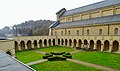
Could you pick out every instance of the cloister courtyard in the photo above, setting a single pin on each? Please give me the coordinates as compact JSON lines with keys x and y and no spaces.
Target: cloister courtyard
{"x":81,"y":60}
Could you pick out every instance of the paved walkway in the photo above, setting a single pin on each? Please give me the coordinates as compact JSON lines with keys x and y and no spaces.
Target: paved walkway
{"x":36,"y":62}
{"x":40,"y":52}
{"x":92,"y":65}
{"x":74,"y":51}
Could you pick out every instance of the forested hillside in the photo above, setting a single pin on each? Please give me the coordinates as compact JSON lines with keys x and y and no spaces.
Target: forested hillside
{"x":29,"y":28}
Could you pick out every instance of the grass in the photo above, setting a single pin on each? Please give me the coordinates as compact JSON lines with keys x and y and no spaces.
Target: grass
{"x":101,"y":58}
{"x":61,"y":66}
{"x":28,"y":56}
{"x":56,"y":49}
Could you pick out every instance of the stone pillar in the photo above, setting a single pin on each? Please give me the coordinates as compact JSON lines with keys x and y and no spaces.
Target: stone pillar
{"x":56,"y":41}
{"x":48,"y":44}
{"x":26,"y":47}
{"x":77,"y":45}
{"x":95,"y":46}
{"x":119,"y":49}
{"x":102,"y":47}
{"x":88,"y":45}
{"x":51,"y":43}
{"x":32,"y":45}
{"x":68,"y":44}
{"x":43,"y":44}
{"x":72,"y":45}
{"x":19,"y":48}
{"x":82,"y":45}
{"x":110,"y":48}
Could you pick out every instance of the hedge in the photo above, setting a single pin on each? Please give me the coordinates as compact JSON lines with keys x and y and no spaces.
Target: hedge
{"x":56,"y":58}
{"x":57,"y":53}
{"x":46,"y":56}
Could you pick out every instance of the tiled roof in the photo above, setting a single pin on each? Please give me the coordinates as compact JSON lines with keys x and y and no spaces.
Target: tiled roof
{"x":93,"y":6}
{"x":7,"y":63}
{"x":100,"y":20}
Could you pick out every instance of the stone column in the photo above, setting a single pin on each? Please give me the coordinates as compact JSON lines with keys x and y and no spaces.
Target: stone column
{"x":68,"y":44}
{"x":95,"y":46}
{"x":119,"y":49}
{"x":19,"y":48}
{"x":48,"y":44}
{"x":72,"y":45}
{"x":82,"y":45}
{"x":26,"y":46}
{"x":110,"y":48}
{"x":77,"y":45}
{"x":102,"y":47}
{"x":88,"y":45}
{"x":32,"y":45}
{"x":43,"y":45}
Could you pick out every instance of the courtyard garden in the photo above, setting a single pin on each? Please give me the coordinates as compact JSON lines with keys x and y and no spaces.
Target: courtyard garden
{"x":100,"y":58}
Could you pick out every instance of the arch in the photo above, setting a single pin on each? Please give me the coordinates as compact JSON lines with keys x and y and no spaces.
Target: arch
{"x":49,"y":42}
{"x":9,"y":53}
{"x":29,"y":44}
{"x":62,"y":42}
{"x":40,"y":43}
{"x":79,"y":43}
{"x":98,"y":45}
{"x":106,"y":45}
{"x":66,"y":42}
{"x":53,"y":42}
{"x":58,"y":41}
{"x":116,"y":31}
{"x":85,"y":43}
{"x":35,"y":43}
{"x":16,"y":45}
{"x":115,"y":46}
{"x":70,"y":42}
{"x":91,"y":44}
{"x":45,"y":43}
{"x":75,"y":42}
{"x":22,"y":45}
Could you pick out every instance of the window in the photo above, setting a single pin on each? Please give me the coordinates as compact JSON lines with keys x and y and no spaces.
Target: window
{"x":68,"y":32}
{"x":88,"y":33}
{"x":55,"y":32}
{"x":77,"y":32}
{"x":100,"y":32}
{"x":61,"y":32}
{"x":116,"y":31}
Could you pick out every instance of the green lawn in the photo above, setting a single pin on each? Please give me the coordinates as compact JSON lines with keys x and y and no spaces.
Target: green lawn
{"x":28,"y":56}
{"x":56,"y":49}
{"x":61,"y":66}
{"x":101,"y":58}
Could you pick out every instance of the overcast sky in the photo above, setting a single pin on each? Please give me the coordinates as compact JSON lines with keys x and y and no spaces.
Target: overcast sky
{"x":17,"y":11}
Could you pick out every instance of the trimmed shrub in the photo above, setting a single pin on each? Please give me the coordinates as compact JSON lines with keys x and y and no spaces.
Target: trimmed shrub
{"x":57,"y":53}
{"x":56,"y":58}
{"x":67,"y":56}
{"x":46,"y":56}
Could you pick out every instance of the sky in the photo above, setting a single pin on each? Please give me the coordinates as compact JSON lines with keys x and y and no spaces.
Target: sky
{"x":14,"y":12}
